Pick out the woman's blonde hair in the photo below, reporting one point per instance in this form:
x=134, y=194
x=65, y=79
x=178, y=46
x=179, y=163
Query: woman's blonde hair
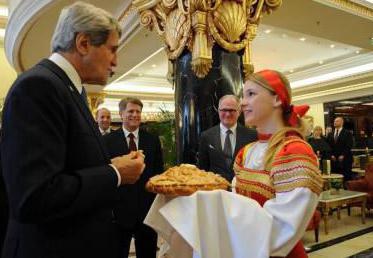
x=317, y=127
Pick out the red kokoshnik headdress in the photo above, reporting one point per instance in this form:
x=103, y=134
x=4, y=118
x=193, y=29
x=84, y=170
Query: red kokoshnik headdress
x=276, y=82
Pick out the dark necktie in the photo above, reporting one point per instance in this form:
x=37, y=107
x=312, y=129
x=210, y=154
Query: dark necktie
x=227, y=145
x=132, y=144
x=83, y=94
x=336, y=135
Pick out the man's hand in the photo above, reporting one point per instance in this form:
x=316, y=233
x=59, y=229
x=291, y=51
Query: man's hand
x=333, y=157
x=129, y=166
x=341, y=158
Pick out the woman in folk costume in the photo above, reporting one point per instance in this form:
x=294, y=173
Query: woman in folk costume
x=280, y=170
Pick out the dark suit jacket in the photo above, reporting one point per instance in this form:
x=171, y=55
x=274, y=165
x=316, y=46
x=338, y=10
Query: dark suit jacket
x=343, y=145
x=210, y=152
x=3, y=211
x=61, y=189
x=135, y=201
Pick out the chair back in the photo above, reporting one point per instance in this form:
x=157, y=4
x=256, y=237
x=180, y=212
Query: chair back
x=369, y=174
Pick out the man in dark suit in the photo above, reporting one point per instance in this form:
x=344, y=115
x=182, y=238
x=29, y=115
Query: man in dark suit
x=103, y=119
x=3, y=211
x=341, y=141
x=135, y=200
x=61, y=184
x=219, y=145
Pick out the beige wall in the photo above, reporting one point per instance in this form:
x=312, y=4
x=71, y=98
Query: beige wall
x=317, y=112
x=7, y=74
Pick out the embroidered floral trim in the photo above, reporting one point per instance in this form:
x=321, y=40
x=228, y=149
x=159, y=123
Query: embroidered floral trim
x=296, y=173
x=254, y=176
x=255, y=189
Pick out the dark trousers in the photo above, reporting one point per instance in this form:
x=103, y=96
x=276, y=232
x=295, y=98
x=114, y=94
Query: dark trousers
x=145, y=241
x=343, y=168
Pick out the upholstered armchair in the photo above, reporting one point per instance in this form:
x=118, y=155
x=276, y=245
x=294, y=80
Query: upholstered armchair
x=314, y=224
x=364, y=184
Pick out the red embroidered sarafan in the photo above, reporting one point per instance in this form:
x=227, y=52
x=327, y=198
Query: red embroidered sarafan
x=294, y=165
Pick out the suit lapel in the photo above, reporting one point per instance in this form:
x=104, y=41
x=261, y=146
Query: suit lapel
x=83, y=108
x=122, y=140
x=238, y=140
x=216, y=138
x=141, y=141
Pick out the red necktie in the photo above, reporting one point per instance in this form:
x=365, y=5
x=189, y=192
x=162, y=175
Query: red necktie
x=132, y=144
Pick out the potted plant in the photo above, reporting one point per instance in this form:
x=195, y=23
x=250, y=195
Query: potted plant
x=336, y=185
x=164, y=127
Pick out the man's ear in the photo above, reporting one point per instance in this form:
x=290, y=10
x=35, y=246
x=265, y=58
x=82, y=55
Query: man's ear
x=276, y=101
x=82, y=43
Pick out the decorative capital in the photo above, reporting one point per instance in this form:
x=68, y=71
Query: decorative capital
x=199, y=24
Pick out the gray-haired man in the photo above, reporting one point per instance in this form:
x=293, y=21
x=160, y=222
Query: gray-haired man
x=61, y=184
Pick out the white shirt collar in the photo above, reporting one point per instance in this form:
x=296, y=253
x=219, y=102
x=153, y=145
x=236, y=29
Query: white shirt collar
x=224, y=129
x=68, y=68
x=135, y=133
x=104, y=131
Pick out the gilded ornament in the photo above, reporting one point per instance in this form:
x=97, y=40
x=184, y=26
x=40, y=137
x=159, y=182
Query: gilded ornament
x=143, y=5
x=198, y=24
x=271, y=5
x=149, y=20
x=169, y=4
x=177, y=31
x=202, y=51
x=231, y=47
x=230, y=19
x=248, y=66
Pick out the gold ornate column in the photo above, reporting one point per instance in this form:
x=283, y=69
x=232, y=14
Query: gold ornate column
x=208, y=43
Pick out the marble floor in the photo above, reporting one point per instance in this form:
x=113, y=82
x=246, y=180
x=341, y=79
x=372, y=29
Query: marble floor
x=347, y=237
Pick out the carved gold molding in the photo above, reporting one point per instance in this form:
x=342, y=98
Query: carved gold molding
x=349, y=6
x=94, y=100
x=199, y=24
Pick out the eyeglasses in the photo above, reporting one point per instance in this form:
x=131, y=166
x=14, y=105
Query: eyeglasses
x=228, y=110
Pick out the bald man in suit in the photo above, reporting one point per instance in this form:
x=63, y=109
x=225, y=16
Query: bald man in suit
x=341, y=142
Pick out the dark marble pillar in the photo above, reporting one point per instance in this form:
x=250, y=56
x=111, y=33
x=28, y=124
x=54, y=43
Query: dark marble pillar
x=197, y=99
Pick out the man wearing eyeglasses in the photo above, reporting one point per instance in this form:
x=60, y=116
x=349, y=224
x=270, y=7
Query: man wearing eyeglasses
x=219, y=145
